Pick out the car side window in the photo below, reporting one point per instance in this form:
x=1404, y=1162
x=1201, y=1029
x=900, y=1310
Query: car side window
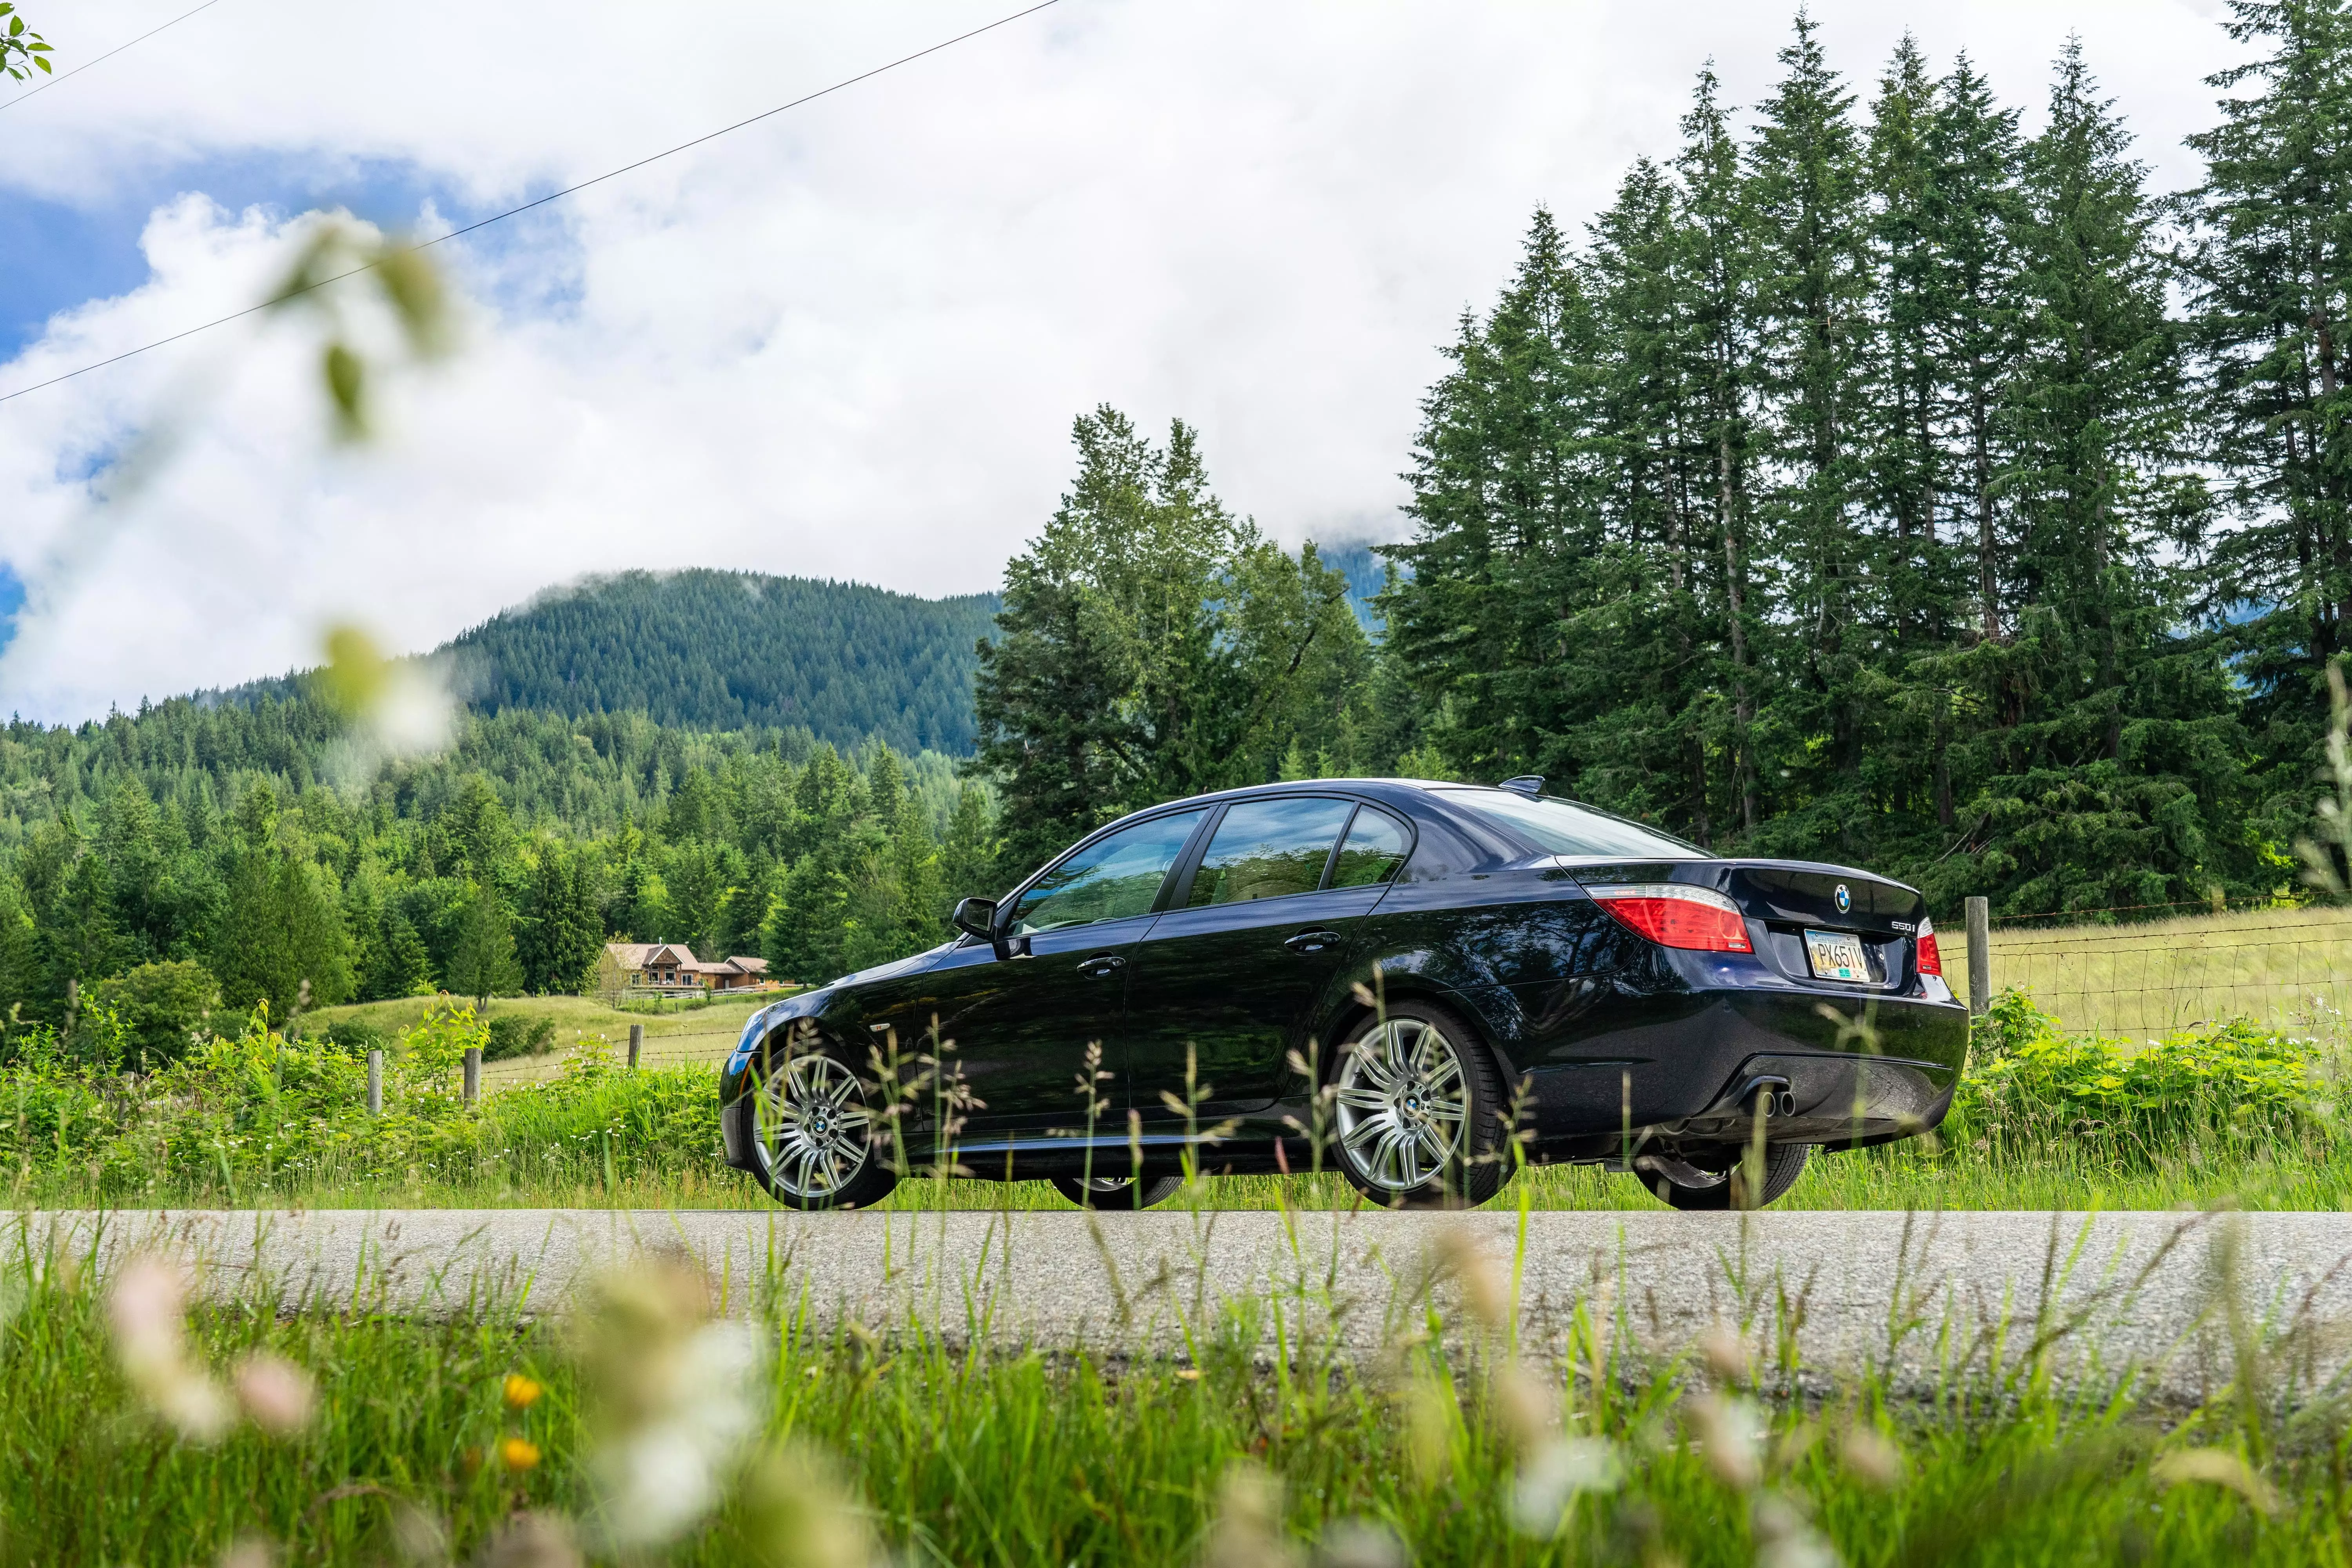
x=1110, y=879
x=1268, y=849
x=1376, y=846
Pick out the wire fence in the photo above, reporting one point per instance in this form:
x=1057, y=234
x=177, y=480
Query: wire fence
x=2284, y=967
x=704, y=1045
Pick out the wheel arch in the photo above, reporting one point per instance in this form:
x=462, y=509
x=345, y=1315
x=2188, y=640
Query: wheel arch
x=1347, y=1013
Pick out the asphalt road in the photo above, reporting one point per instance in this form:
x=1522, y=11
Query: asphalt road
x=2175, y=1298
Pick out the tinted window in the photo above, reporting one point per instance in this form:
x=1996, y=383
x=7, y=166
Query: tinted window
x=1268, y=849
x=1108, y=880
x=1375, y=847
x=1563, y=827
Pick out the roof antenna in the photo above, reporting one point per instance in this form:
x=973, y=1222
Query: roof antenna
x=1526, y=783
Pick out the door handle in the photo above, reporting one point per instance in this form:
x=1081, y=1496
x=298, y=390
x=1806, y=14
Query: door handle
x=1312, y=940
x=1100, y=964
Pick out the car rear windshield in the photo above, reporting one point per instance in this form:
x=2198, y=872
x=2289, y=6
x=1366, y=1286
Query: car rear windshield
x=1564, y=827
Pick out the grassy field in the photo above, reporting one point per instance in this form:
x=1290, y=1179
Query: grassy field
x=641, y=1433
x=2289, y=968
x=675, y=1032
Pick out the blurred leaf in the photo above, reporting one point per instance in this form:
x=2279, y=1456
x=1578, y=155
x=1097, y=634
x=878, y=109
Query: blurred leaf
x=345, y=375
x=356, y=670
x=412, y=285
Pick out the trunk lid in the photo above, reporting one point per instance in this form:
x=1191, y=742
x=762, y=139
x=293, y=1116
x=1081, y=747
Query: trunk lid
x=1789, y=897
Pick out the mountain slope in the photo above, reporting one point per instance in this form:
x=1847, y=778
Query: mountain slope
x=723, y=650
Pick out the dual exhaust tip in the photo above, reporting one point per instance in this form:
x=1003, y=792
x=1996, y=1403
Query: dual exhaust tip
x=1771, y=1096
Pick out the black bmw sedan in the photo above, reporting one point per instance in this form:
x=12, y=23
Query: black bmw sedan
x=1425, y=985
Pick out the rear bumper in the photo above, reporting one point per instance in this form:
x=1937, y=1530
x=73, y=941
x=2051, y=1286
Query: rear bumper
x=1684, y=1066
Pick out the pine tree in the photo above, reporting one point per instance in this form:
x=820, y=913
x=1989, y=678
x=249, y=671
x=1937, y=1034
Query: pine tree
x=2109, y=764
x=1724, y=353
x=282, y=925
x=560, y=935
x=1504, y=479
x=968, y=855
x=398, y=964
x=1150, y=643
x=1805, y=192
x=483, y=963
x=1652, y=631
x=2270, y=273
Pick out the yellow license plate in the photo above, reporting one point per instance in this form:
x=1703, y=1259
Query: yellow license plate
x=1836, y=955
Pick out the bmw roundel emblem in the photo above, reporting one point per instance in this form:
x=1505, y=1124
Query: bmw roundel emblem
x=1844, y=898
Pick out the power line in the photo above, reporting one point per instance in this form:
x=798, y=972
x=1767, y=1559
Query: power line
x=540, y=202
x=109, y=54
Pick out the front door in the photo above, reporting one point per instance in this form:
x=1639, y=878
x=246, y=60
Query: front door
x=1016, y=1029
x=1224, y=983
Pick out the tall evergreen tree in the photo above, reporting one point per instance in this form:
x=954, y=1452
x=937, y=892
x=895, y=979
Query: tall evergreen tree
x=1806, y=191
x=1724, y=355
x=561, y=935
x=2109, y=758
x=1150, y=643
x=484, y=965
x=2270, y=268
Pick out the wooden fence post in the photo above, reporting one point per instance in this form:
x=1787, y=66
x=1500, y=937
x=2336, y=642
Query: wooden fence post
x=636, y=1044
x=375, y=1083
x=473, y=1074
x=1980, y=956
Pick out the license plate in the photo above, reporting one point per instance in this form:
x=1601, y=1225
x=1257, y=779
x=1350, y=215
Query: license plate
x=1836, y=955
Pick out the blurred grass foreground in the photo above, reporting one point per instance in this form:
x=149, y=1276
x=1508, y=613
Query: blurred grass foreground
x=646, y=1426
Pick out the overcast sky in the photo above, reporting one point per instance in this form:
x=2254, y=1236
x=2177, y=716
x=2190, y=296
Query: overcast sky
x=846, y=342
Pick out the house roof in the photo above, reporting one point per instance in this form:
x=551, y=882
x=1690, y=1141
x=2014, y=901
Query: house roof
x=677, y=955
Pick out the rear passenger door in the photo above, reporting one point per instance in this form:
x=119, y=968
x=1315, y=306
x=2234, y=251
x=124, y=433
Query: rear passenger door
x=1248, y=945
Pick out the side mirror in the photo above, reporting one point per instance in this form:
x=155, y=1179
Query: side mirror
x=974, y=916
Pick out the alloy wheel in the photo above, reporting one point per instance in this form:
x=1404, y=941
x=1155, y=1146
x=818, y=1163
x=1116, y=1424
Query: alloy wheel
x=814, y=1127
x=1403, y=1105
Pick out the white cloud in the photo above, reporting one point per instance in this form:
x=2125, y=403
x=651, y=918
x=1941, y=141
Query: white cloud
x=848, y=341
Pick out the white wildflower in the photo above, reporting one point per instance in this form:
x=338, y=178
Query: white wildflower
x=1556, y=1475
x=150, y=1340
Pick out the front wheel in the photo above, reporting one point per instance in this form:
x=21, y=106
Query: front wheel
x=1420, y=1112
x=1116, y=1191
x=813, y=1136
x=1686, y=1187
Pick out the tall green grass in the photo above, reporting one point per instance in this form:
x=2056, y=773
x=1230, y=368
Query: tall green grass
x=2046, y=1118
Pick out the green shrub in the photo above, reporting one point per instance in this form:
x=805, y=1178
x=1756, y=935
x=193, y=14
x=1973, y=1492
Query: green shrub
x=2028, y=1081
x=356, y=1037
x=512, y=1035
x=160, y=1008
x=239, y=1116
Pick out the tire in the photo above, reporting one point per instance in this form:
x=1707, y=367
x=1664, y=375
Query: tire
x=812, y=1129
x=1418, y=1110
x=1109, y=1193
x=1783, y=1163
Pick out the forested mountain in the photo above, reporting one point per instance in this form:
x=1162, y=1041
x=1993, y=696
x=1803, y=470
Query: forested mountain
x=728, y=650
x=723, y=650
x=615, y=774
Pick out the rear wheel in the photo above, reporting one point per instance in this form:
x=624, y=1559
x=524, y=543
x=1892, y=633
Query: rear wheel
x=812, y=1136
x=1686, y=1186
x=1116, y=1191
x=1419, y=1109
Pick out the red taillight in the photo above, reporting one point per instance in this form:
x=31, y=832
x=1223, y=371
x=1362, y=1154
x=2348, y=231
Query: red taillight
x=1931, y=958
x=1674, y=916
